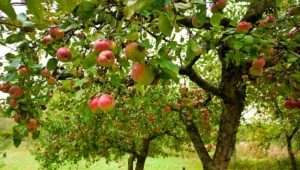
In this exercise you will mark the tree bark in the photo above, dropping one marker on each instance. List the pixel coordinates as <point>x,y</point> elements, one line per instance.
<point>142,155</point>
<point>289,139</point>
<point>140,162</point>
<point>130,161</point>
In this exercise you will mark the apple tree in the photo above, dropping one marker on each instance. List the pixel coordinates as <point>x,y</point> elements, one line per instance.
<point>97,46</point>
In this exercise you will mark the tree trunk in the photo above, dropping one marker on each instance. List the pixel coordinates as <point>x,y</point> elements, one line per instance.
<point>289,139</point>
<point>290,152</point>
<point>130,161</point>
<point>140,162</point>
<point>142,155</point>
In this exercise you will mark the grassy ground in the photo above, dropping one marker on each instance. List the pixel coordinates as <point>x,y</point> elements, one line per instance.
<point>21,159</point>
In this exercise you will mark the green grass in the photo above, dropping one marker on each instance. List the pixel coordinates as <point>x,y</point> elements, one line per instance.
<point>21,159</point>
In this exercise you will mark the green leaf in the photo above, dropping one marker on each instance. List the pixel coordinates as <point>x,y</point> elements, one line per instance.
<point>67,6</point>
<point>52,64</point>
<point>248,40</point>
<point>132,36</point>
<point>35,8</point>
<point>89,61</point>
<point>215,19</point>
<point>15,38</point>
<point>169,69</point>
<point>35,134</point>
<point>165,25</point>
<point>79,93</point>
<point>6,7</point>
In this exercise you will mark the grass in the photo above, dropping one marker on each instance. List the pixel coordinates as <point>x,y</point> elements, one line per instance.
<point>21,159</point>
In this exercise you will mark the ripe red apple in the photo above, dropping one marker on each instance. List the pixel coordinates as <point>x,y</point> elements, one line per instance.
<point>297,104</point>
<point>47,39</point>
<point>256,71</point>
<point>63,54</point>
<point>106,103</point>
<point>112,44</point>
<point>135,52</point>
<point>24,71</point>
<point>258,63</point>
<point>290,103</point>
<point>13,103</point>
<point>270,19</point>
<point>51,80</point>
<point>93,103</point>
<point>45,73</point>
<point>56,33</point>
<point>106,58</point>
<point>102,45</point>
<point>16,92</point>
<point>32,124</point>
<point>243,27</point>
<point>214,8</point>
<point>4,87</point>
<point>167,109</point>
<point>221,4</point>
<point>142,74</point>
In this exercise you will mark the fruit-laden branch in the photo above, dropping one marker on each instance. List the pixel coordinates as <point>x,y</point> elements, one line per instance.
<point>193,76</point>
<point>256,9</point>
<point>187,22</point>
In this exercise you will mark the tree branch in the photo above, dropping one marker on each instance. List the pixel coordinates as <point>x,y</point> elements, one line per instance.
<point>193,76</point>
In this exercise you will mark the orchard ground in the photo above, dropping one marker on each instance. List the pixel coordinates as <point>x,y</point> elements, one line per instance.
<point>248,156</point>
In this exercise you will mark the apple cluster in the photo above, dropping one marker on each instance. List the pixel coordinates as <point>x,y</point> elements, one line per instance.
<point>218,5</point>
<point>16,93</point>
<point>257,66</point>
<point>292,104</point>
<point>140,72</point>
<point>105,103</point>
<point>55,34</point>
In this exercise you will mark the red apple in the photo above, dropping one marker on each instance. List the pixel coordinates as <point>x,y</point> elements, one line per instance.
<point>56,33</point>
<point>106,103</point>
<point>102,45</point>
<point>135,52</point>
<point>221,4</point>
<point>64,54</point>
<point>214,8</point>
<point>24,71</point>
<point>106,58</point>
<point>142,74</point>
<point>13,103</point>
<point>93,103</point>
<point>51,81</point>
<point>258,63</point>
<point>4,87</point>
<point>32,124</point>
<point>47,39</point>
<point>167,109</point>
<point>290,103</point>
<point>243,27</point>
<point>256,71</point>
<point>45,73</point>
<point>270,19</point>
<point>16,92</point>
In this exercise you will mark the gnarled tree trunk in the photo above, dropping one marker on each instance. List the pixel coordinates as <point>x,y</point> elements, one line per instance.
<point>289,139</point>
<point>142,155</point>
<point>130,161</point>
